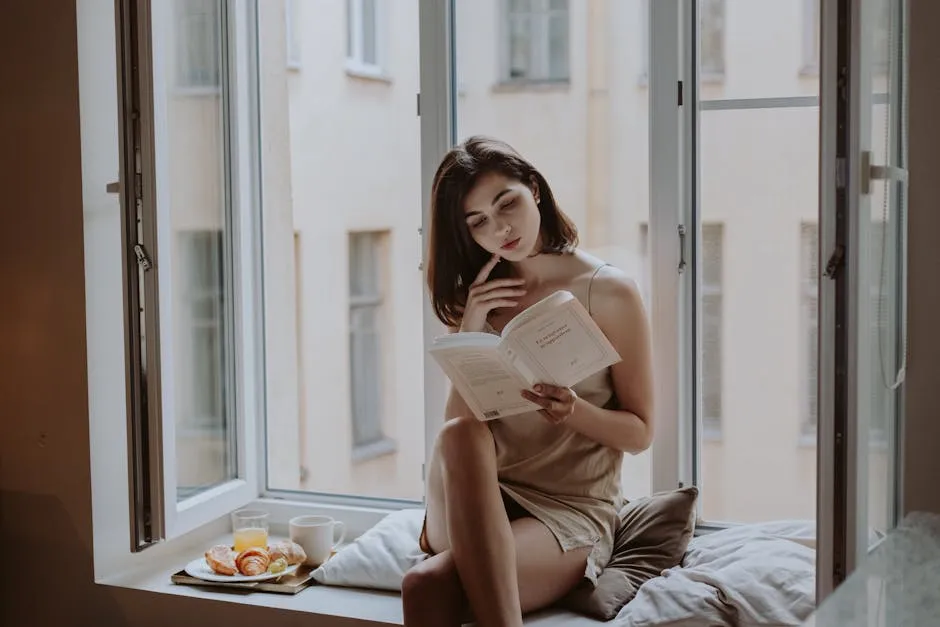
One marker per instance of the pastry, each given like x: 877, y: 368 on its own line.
x: 253, y: 561
x: 221, y: 559
x: 290, y: 551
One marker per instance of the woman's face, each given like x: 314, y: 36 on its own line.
x: 503, y: 217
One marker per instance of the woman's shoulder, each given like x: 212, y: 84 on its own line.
x: 613, y: 292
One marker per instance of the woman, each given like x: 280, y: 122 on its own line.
x: 520, y: 510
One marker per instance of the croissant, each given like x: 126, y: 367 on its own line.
x: 221, y: 559
x: 253, y: 561
x: 290, y: 551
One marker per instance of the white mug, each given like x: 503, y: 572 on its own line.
x: 317, y: 536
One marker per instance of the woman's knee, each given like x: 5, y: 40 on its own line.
x: 464, y: 436
x: 434, y: 579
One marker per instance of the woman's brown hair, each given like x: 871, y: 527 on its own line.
x: 454, y: 259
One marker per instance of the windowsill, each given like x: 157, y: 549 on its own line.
x: 367, y: 72
x: 362, y: 607
x: 510, y: 86
x: 373, y: 450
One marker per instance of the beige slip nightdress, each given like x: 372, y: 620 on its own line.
x: 567, y: 481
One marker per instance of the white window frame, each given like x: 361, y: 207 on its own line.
x: 356, y: 64
x: 204, y: 507
x: 539, y: 18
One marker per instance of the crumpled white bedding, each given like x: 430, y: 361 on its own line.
x: 749, y: 575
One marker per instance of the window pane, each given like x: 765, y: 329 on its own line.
x: 344, y: 296
x: 201, y: 284
x: 196, y: 37
x: 370, y: 44
x: 759, y: 179
x: 520, y: 46
x: 589, y: 140
x: 350, y: 29
x: 757, y: 49
x: 712, y: 252
x: 713, y: 37
x: 558, y: 45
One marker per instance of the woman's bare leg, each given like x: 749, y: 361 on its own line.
x: 466, y: 515
x: 433, y: 596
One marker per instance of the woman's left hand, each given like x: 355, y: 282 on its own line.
x: 557, y: 402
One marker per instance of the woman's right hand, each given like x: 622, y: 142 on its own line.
x: 485, y: 296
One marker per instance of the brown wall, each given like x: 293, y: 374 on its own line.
x: 922, y: 441
x: 45, y: 491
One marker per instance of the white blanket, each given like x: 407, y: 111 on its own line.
x: 762, y: 574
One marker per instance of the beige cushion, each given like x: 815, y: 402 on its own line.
x: 653, y: 536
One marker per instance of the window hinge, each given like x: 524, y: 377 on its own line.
x: 835, y: 263
x: 418, y: 103
x: 143, y: 259
x: 422, y: 473
x: 682, y: 263
x: 680, y: 93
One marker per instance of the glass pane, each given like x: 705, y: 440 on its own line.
x: 882, y: 24
x: 520, y: 46
x: 590, y: 140
x: 350, y: 29
x: 759, y: 180
x: 344, y: 299
x: 758, y: 49
x: 370, y: 43
x: 558, y: 46
x: 202, y: 368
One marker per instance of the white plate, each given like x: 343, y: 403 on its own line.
x: 200, y: 569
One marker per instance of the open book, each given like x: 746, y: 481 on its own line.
x: 554, y: 341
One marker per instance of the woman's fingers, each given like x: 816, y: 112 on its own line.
x: 496, y: 284
x: 486, y: 269
x: 556, y: 392
x: 484, y: 297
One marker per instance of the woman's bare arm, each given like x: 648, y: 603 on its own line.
x: 617, y: 307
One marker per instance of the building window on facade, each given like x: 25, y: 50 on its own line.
x: 197, y: 46
x: 363, y: 39
x: 537, y: 42
x: 712, y: 34
x: 203, y: 407
x: 809, y: 299
x: 712, y: 253
x: 366, y: 359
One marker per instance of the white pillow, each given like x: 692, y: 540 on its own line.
x: 380, y: 557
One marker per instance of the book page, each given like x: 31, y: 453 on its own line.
x: 489, y: 386
x: 561, y: 347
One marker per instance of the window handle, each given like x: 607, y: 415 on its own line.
x: 682, y: 264
x: 880, y: 172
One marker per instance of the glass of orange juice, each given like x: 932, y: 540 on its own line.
x: 249, y: 528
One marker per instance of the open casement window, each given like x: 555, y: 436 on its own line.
x: 192, y: 298
x: 280, y: 406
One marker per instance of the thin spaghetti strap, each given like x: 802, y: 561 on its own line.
x: 591, y: 284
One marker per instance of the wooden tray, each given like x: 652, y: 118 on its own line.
x: 287, y: 584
